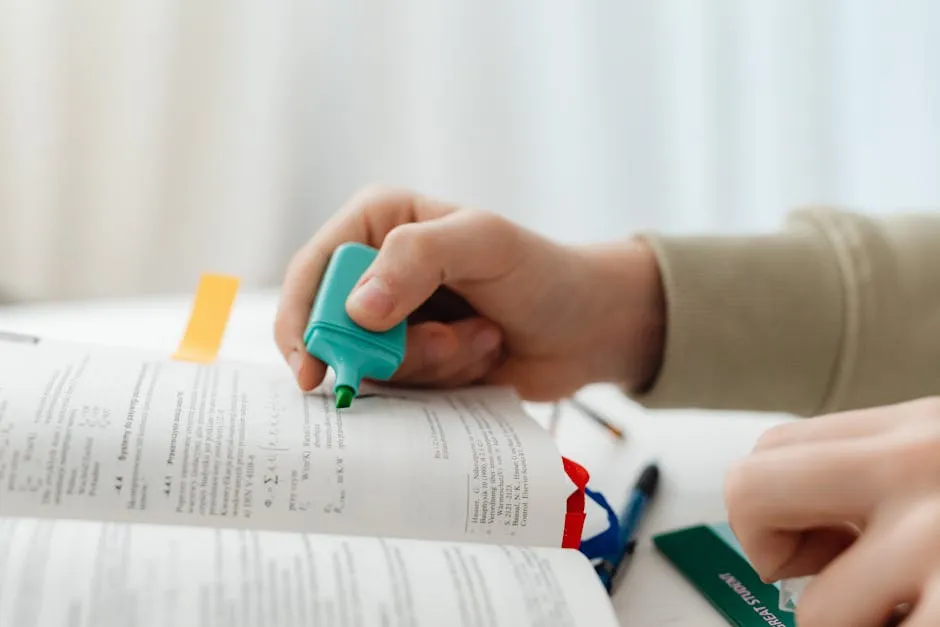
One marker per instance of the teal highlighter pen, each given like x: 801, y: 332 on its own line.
x: 354, y: 353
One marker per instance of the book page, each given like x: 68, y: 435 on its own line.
x: 113, y: 434
x: 82, y: 573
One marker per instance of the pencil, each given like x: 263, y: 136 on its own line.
x: 553, y: 419
x: 599, y: 419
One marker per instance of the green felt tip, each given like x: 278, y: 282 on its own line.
x: 344, y: 396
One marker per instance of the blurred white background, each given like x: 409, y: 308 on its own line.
x: 145, y: 141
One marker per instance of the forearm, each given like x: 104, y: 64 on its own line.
x: 836, y: 311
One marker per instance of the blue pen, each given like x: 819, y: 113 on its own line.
x: 637, y: 505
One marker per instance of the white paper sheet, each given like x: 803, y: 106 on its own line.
x: 81, y: 573
x: 112, y: 434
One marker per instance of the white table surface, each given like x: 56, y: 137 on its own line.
x: 693, y: 448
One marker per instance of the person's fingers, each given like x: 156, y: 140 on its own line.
x: 367, y: 218
x: 774, y: 495
x: 427, y: 343
x: 858, y: 423
x: 541, y: 380
x: 863, y: 586
x: 417, y: 258
x: 811, y: 485
x: 843, y: 425
x: 475, y: 372
x: 815, y: 549
x: 438, y: 352
x: 308, y: 371
x: 926, y: 612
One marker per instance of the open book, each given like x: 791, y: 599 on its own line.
x: 138, y: 490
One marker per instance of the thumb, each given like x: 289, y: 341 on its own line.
x: 417, y: 258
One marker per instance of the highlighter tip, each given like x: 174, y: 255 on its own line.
x: 344, y: 397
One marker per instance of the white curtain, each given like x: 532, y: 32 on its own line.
x: 144, y: 141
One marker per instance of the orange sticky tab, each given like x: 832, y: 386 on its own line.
x: 208, y: 319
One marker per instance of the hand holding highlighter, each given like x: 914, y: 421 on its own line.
x: 353, y: 352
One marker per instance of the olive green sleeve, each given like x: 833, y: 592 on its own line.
x: 835, y: 311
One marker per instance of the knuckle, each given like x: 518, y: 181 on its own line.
x: 412, y: 240
x: 912, y: 451
x: 913, y: 455
x: 494, y: 225
x: 487, y: 219
x: 400, y: 238
x: 504, y: 239
x: 773, y: 437
x: 376, y: 200
x: 373, y: 193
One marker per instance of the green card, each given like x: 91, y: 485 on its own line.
x: 710, y: 557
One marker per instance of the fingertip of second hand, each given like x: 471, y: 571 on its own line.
x: 487, y: 341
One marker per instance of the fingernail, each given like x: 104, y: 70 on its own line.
x: 486, y: 342
x: 296, y: 361
x: 373, y: 298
